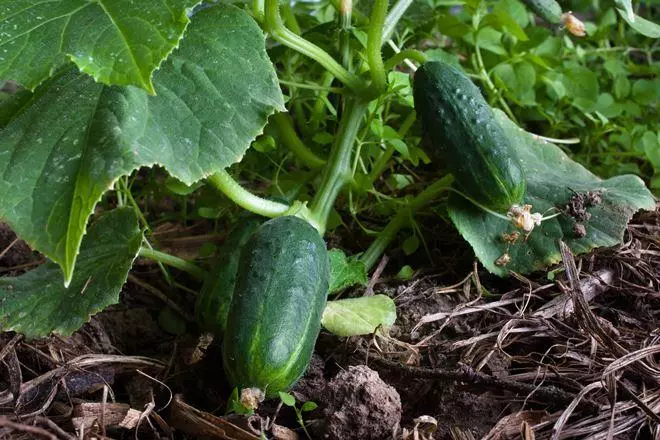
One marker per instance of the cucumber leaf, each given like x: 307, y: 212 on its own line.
x: 358, y: 316
x: 37, y: 304
x: 75, y: 137
x: 345, y: 271
x: 117, y: 42
x: 552, y: 178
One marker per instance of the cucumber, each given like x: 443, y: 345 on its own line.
x: 549, y: 10
x: 214, y: 298
x: 275, y: 314
x: 462, y: 126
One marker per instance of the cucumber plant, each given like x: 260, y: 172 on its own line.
x: 190, y: 86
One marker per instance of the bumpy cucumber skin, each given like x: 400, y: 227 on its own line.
x: 462, y: 126
x: 275, y: 314
x: 214, y: 298
x: 549, y: 10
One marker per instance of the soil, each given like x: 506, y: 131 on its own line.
x: 13, y: 252
x: 470, y: 356
x: 358, y: 404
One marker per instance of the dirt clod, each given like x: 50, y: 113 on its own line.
x: 579, y: 202
x: 361, y: 406
x: 593, y: 198
x: 579, y: 230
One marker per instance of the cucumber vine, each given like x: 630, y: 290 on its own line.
x: 337, y: 170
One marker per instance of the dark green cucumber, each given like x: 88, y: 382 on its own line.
x: 462, y: 126
x: 549, y: 10
x: 215, y: 296
x: 275, y: 314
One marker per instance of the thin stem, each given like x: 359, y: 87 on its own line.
x: 485, y: 78
x: 162, y: 268
x: 407, y: 123
x: 284, y: 36
x: 396, y: 50
x: 381, y: 164
x: 403, y: 215
x: 226, y: 184
x: 318, y: 111
x: 324, y: 87
x: 258, y: 10
x: 290, y: 18
x: 408, y: 54
x: 338, y: 172
x: 479, y: 205
x: 345, y: 19
x: 129, y: 196
x: 290, y: 138
x: 298, y: 110
x: 393, y: 18
x: 374, y: 42
x: 173, y: 261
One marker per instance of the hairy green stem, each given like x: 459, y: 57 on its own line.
x: 393, y: 18
x: 300, y: 114
x: 374, y: 42
x: 226, y: 184
x: 173, y: 261
x: 258, y: 10
x: 280, y: 33
x: 290, y: 18
x: 345, y: 20
x: 338, y: 172
x: 402, y: 217
x: 290, y: 138
x: 408, y: 54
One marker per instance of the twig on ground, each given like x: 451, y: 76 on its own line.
x: 29, y: 429
x: 55, y: 427
x: 464, y: 373
x: 376, y: 275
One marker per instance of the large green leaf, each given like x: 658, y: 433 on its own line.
x: 37, y: 304
x: 552, y: 178
x: 117, y: 42
x: 358, y: 316
x: 76, y: 137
